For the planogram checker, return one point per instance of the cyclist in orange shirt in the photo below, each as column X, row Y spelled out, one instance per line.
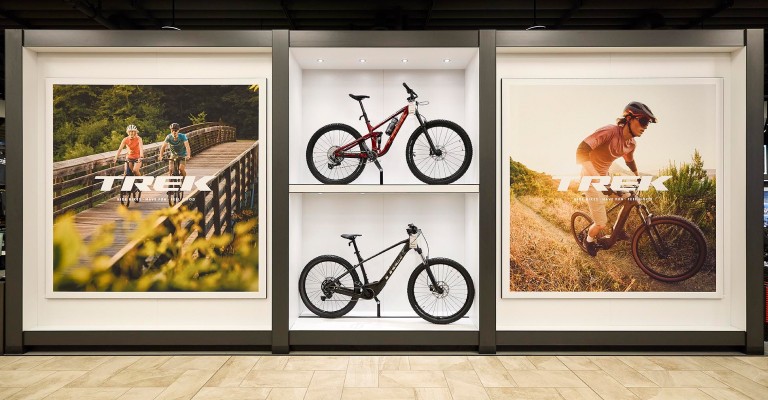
column 135, row 149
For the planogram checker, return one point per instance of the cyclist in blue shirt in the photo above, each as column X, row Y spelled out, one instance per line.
column 179, row 146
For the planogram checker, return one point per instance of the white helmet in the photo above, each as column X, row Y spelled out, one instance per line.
column 131, row 127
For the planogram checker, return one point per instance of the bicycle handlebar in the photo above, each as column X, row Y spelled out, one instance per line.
column 412, row 229
column 411, row 94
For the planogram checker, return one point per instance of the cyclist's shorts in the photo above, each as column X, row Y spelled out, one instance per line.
column 133, row 160
column 181, row 161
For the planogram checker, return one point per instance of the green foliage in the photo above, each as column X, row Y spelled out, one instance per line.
column 197, row 119
column 527, row 182
column 690, row 194
column 165, row 259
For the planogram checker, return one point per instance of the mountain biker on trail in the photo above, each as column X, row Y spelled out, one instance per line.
column 597, row 152
column 135, row 147
column 179, row 146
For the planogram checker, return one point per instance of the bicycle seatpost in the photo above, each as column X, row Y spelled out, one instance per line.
column 353, row 243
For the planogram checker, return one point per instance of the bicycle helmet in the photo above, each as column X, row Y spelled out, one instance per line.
column 175, row 126
column 131, row 127
column 637, row 109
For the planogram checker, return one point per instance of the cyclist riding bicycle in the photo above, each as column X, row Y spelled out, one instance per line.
column 135, row 147
column 179, row 146
column 597, row 152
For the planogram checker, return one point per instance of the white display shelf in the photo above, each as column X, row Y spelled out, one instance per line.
column 352, row 188
column 378, row 324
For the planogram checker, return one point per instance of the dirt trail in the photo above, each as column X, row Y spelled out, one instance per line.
column 556, row 250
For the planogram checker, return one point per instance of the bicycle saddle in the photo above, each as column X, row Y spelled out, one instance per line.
column 350, row 236
column 359, row 97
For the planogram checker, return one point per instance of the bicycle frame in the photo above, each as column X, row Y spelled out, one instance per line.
column 374, row 288
column 627, row 205
column 342, row 151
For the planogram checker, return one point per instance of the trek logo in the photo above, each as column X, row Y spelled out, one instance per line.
column 395, row 264
column 616, row 183
column 157, row 184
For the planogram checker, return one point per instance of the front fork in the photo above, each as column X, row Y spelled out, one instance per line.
column 435, row 286
column 433, row 151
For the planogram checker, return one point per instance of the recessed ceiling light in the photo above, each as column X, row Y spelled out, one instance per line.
column 404, row 60
column 362, row 60
column 446, row 60
column 320, row 60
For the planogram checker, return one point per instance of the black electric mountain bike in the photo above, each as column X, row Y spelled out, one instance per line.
column 135, row 193
column 437, row 152
column 666, row 247
column 175, row 194
column 440, row 290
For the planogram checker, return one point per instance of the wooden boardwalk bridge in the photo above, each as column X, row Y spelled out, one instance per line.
column 215, row 152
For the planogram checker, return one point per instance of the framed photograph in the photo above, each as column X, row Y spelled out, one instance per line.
column 156, row 188
column 612, row 187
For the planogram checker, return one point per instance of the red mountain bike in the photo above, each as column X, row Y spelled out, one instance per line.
column 438, row 151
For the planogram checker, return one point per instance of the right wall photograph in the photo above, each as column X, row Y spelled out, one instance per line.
column 614, row 187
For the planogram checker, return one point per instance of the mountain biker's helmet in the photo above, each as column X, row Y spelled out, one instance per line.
column 175, row 126
column 637, row 109
column 131, row 127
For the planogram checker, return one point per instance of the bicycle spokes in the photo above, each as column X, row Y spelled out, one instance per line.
column 669, row 248
column 439, row 155
column 321, row 283
column 323, row 157
column 446, row 296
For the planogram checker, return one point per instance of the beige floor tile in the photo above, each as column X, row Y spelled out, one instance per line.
column 201, row 363
column 670, row 394
column 706, row 363
column 439, row 363
column 5, row 360
column 275, row 379
column 188, row 384
column 433, row 394
column 87, row 394
column 495, row 377
column 97, row 376
column 758, row 361
column 412, row 379
column 72, row 363
column 578, row 363
column 465, row 385
column 271, row 363
column 137, row 378
column 287, row 394
column 26, row 363
column 750, row 371
column 640, row 363
column 317, row 363
column 578, row 394
column 6, row 393
column 48, row 385
column 147, row 363
column 365, row 360
column 232, row 373
column 740, row 383
column 693, row 379
column 516, row 362
column 550, row 363
column 623, row 373
column 394, row 363
column 328, row 380
column 148, row 393
column 378, row 394
column 487, row 362
column 687, row 363
column 22, row 378
column 725, row 394
column 605, row 386
column 362, row 376
column 546, row 379
column 231, row 393
column 323, row 393
column 523, row 394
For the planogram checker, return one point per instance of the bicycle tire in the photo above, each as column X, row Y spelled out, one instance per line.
column 580, row 223
column 450, row 278
column 136, row 196
column 453, row 163
column 319, row 150
column 683, row 249
column 327, row 264
column 125, row 199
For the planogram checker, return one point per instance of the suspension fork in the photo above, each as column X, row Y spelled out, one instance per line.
column 423, row 122
column 431, row 276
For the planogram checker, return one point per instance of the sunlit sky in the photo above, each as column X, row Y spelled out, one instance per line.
column 544, row 120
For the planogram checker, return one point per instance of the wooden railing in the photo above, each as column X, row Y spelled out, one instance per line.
column 75, row 187
column 233, row 189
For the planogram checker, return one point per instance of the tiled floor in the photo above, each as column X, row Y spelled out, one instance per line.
column 433, row 377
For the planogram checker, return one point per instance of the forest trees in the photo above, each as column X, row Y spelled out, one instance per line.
column 90, row 119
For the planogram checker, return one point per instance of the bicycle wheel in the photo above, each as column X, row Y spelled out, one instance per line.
column 455, row 153
column 136, row 196
column 125, row 198
column 173, row 197
column 318, row 280
column 457, row 295
column 670, row 249
column 328, row 168
column 580, row 223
